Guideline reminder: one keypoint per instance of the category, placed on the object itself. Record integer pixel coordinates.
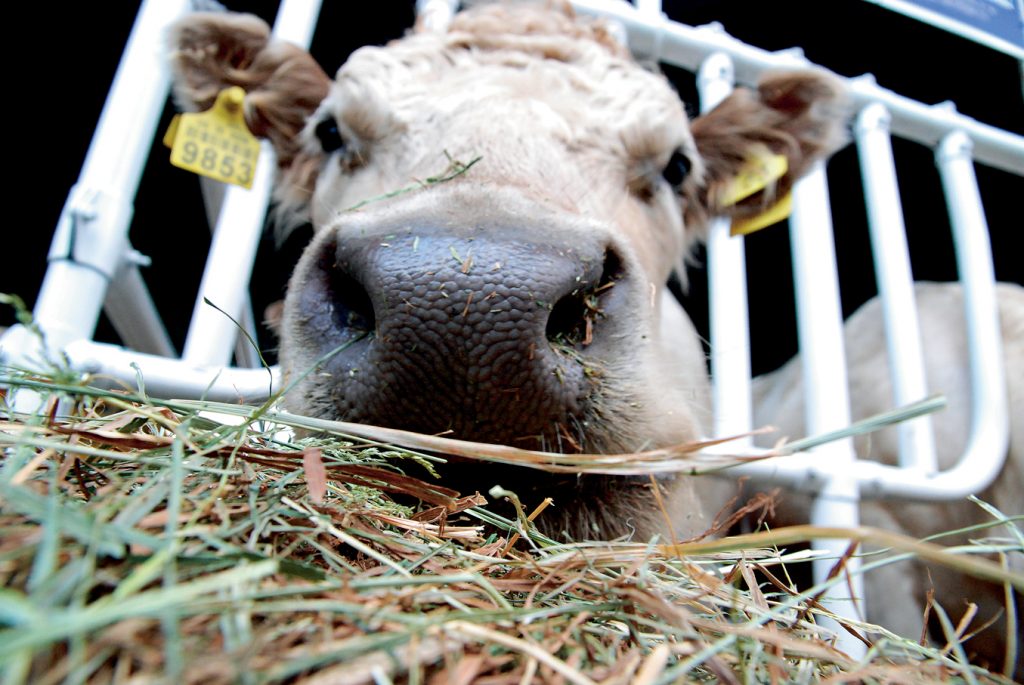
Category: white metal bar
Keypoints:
(819, 316)
(435, 16)
(114, 366)
(727, 291)
(652, 10)
(91, 237)
(687, 46)
(127, 126)
(247, 356)
(895, 283)
(296, 21)
(213, 201)
(826, 393)
(211, 335)
(928, 124)
(130, 308)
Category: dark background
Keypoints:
(60, 85)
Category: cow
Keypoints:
(523, 301)
(519, 293)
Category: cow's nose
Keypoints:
(491, 334)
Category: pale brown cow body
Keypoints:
(896, 596)
(523, 301)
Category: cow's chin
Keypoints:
(581, 506)
(585, 506)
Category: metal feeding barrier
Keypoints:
(92, 267)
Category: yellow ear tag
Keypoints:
(760, 169)
(216, 143)
(777, 212)
(172, 131)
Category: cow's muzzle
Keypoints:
(495, 333)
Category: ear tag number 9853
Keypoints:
(216, 143)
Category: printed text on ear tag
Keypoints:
(759, 170)
(216, 143)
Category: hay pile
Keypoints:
(144, 541)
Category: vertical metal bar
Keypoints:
(434, 16)
(727, 289)
(130, 308)
(296, 21)
(213, 201)
(895, 282)
(826, 394)
(989, 436)
(211, 335)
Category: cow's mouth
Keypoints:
(498, 334)
(574, 506)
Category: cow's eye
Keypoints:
(329, 136)
(676, 170)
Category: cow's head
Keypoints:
(523, 301)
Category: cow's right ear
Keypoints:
(283, 83)
(800, 116)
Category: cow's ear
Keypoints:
(800, 116)
(283, 83)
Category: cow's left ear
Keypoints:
(798, 115)
(282, 82)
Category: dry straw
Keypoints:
(147, 541)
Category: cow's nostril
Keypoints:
(573, 317)
(353, 309)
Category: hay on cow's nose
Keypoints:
(142, 539)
